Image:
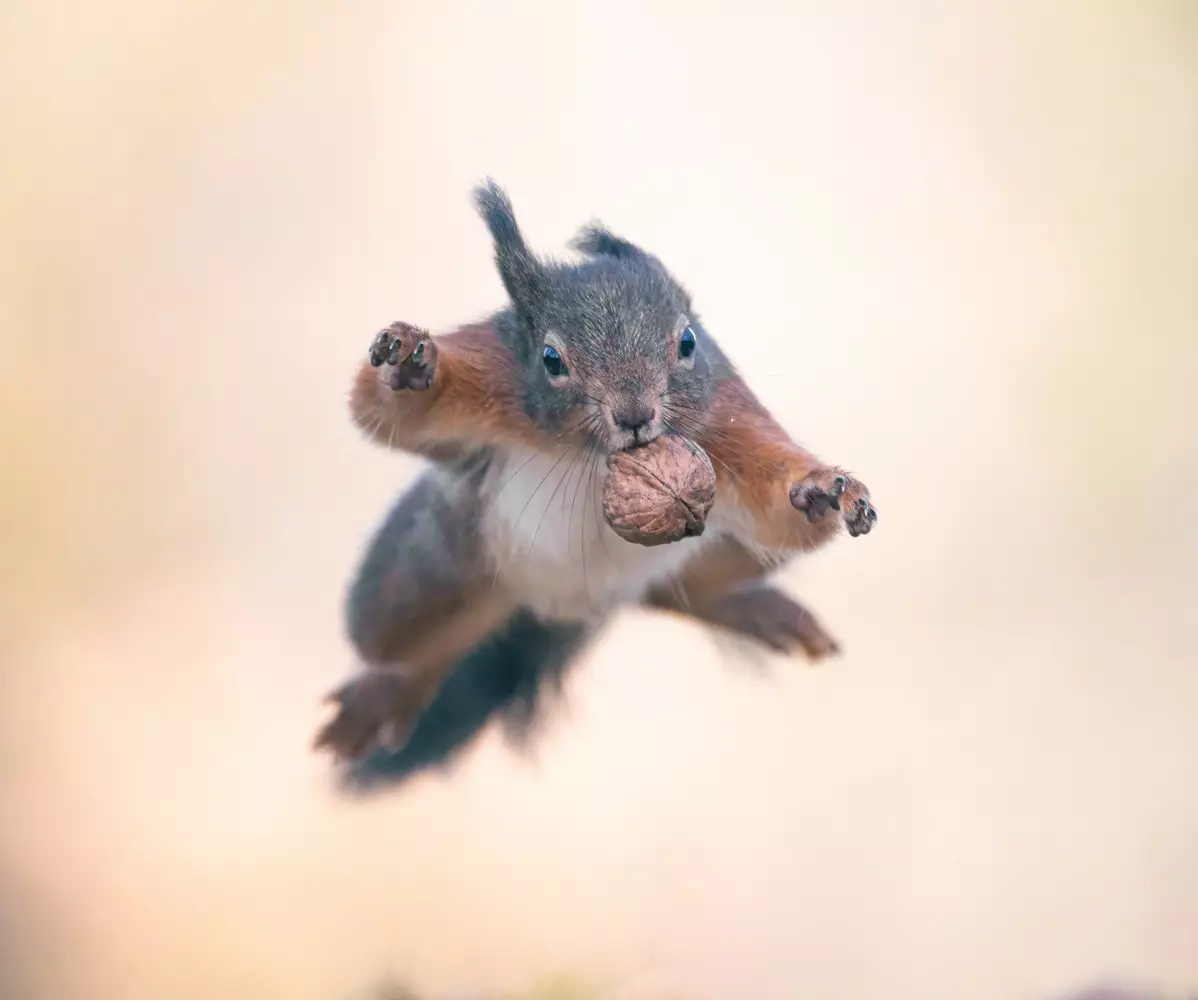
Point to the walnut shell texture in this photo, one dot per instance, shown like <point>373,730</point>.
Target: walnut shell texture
<point>660,492</point>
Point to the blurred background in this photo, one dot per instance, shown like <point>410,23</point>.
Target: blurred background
<point>951,244</point>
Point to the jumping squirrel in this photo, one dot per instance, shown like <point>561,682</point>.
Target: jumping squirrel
<point>495,569</point>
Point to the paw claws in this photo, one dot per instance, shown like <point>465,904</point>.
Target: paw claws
<point>409,355</point>
<point>379,348</point>
<point>835,491</point>
<point>815,500</point>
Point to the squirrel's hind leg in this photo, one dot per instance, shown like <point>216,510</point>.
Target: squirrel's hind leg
<point>725,587</point>
<point>422,597</point>
<point>769,617</point>
<point>505,677</point>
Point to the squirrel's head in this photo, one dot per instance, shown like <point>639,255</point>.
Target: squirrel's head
<point>610,348</point>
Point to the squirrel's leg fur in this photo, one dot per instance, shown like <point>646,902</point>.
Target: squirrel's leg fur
<point>765,614</point>
<point>424,567</point>
<point>506,676</point>
<point>724,587</point>
<point>440,397</point>
<point>422,597</point>
<point>785,489</point>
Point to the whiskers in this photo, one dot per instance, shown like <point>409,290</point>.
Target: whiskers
<point>690,423</point>
<point>550,519</point>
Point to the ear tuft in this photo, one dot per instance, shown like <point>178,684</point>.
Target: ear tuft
<point>521,272</point>
<point>597,240</point>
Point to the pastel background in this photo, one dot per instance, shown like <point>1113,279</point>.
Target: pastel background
<point>952,245</point>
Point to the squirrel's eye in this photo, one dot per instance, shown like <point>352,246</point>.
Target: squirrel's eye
<point>553,361</point>
<point>687,344</point>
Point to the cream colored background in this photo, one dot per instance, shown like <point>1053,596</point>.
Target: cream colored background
<point>952,244</point>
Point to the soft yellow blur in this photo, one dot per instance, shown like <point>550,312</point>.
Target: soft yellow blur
<point>953,244</point>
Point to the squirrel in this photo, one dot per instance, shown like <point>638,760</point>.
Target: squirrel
<point>495,570</point>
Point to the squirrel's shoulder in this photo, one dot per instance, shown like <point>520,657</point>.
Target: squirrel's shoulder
<point>488,382</point>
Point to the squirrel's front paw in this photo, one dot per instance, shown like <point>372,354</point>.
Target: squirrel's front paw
<point>375,709</point>
<point>409,354</point>
<point>830,489</point>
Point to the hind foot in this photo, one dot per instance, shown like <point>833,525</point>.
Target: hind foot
<point>376,710</point>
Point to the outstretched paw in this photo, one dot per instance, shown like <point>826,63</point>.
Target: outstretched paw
<point>860,518</point>
<point>375,709</point>
<point>828,489</point>
<point>409,355</point>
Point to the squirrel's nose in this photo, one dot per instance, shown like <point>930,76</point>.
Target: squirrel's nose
<point>634,418</point>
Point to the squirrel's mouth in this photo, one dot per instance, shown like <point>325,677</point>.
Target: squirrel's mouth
<point>636,444</point>
<point>632,438</point>
<point>632,426</point>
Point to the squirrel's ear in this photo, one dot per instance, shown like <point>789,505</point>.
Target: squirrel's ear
<point>521,272</point>
<point>596,240</point>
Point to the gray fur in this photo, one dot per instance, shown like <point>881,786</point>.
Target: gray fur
<point>425,561</point>
<point>616,314</point>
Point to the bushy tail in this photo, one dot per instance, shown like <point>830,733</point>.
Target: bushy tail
<point>505,678</point>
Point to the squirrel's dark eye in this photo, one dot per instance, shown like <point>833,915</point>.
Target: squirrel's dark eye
<point>687,344</point>
<point>553,361</point>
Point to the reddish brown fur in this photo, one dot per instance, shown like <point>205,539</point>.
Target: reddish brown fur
<point>724,587</point>
<point>380,698</point>
<point>756,460</point>
<point>475,401</point>
<point>720,568</point>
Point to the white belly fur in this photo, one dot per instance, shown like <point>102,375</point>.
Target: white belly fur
<point>546,532</point>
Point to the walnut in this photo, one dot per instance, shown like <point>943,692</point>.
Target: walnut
<point>660,492</point>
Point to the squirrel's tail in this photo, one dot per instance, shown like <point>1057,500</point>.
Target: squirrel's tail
<point>506,677</point>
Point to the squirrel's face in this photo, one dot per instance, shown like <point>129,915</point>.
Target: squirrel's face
<point>611,340</point>
<point>611,349</point>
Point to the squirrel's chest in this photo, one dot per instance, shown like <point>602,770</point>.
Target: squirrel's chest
<point>546,533</point>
